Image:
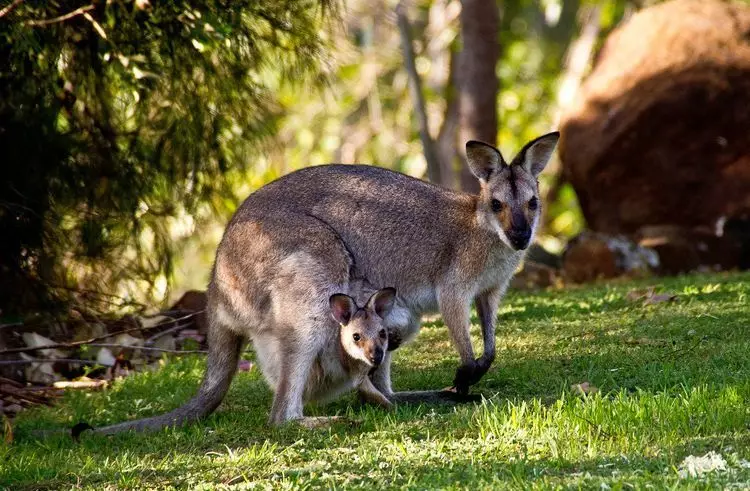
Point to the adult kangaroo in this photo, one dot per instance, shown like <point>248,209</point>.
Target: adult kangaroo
<point>334,225</point>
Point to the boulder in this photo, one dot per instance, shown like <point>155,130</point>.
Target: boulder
<point>660,132</point>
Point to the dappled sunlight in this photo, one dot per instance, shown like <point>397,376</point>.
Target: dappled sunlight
<point>660,397</point>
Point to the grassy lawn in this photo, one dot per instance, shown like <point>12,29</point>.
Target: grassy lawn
<point>673,380</point>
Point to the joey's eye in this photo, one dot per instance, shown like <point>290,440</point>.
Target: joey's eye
<point>383,333</point>
<point>533,203</point>
<point>496,205</point>
<point>356,336</point>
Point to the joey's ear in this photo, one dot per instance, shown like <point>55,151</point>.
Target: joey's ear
<point>381,302</point>
<point>534,156</point>
<point>342,307</point>
<point>483,159</point>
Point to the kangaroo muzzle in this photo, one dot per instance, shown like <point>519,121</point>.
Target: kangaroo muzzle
<point>519,238</point>
<point>375,356</point>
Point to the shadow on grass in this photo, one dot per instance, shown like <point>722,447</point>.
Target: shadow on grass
<point>546,344</point>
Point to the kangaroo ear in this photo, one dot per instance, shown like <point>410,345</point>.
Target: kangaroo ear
<point>342,308</point>
<point>381,302</point>
<point>483,159</point>
<point>534,156</point>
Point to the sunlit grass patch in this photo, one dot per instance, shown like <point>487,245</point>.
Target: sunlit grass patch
<point>671,380</point>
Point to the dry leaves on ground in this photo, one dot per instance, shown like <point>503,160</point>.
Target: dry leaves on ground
<point>648,296</point>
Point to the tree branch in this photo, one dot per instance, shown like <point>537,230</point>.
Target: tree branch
<point>9,8</point>
<point>53,360</point>
<point>448,134</point>
<point>415,83</point>
<point>148,348</point>
<point>90,341</point>
<point>62,18</point>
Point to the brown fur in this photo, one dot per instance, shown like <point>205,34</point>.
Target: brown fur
<point>326,229</point>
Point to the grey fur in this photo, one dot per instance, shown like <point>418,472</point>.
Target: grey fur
<point>321,230</point>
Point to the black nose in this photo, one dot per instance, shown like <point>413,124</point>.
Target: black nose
<point>519,239</point>
<point>377,356</point>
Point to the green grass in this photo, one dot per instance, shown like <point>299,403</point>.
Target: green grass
<point>673,379</point>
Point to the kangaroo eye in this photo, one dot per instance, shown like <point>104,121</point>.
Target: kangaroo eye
<point>496,205</point>
<point>533,203</point>
<point>356,336</point>
<point>383,333</point>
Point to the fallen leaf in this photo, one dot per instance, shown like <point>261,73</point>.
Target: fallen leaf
<point>660,298</point>
<point>635,295</point>
<point>149,322</point>
<point>34,340</point>
<point>39,373</point>
<point>649,296</point>
<point>105,357</point>
<point>694,466</point>
<point>584,388</point>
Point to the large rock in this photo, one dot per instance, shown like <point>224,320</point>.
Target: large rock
<point>660,134</point>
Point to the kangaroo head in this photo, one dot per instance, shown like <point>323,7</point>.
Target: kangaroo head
<point>509,201</point>
<point>363,333</point>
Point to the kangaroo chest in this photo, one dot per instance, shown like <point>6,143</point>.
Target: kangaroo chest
<point>333,374</point>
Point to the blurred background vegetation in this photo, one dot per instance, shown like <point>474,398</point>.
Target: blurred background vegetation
<point>131,130</point>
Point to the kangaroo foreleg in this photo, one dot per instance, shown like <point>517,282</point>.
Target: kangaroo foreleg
<point>381,377</point>
<point>456,314</point>
<point>372,395</point>
<point>486,305</point>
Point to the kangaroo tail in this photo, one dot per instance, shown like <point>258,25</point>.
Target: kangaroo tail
<point>224,349</point>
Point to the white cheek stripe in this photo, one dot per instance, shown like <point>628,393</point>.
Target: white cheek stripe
<point>500,232</point>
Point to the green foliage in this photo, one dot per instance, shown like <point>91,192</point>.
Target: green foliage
<point>366,114</point>
<point>118,121</point>
<point>674,381</point>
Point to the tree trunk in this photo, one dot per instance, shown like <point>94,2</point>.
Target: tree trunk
<point>415,82</point>
<point>478,83</point>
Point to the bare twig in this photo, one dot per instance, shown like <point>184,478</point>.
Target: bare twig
<point>25,395</point>
<point>53,360</point>
<point>89,341</point>
<point>674,354</point>
<point>164,333</point>
<point>97,27</point>
<point>147,348</point>
<point>12,382</point>
<point>9,8</point>
<point>415,83</point>
<point>84,291</point>
<point>62,18</point>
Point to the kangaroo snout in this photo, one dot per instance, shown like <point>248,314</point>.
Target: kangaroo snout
<point>519,238</point>
<point>375,356</point>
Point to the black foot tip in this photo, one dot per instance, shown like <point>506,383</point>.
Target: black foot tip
<point>79,428</point>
